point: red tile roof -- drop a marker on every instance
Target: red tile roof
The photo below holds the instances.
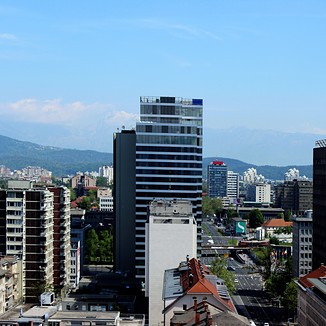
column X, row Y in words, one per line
column 200, row 284
column 317, row 273
column 276, row 223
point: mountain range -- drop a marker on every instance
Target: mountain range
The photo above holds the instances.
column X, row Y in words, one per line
column 17, row 154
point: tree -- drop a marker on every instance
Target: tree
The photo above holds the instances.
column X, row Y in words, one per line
column 274, row 240
column 212, row 206
column 219, row 268
column 217, row 206
column 85, row 203
column 73, row 195
column 105, row 246
column 101, row 182
column 256, row 218
column 289, row 298
column 91, row 246
column 207, row 206
column 287, row 215
column 263, row 257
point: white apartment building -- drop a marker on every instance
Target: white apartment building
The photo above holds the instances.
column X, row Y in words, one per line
column 106, row 203
column 233, row 185
column 259, row 193
column 171, row 233
column 75, row 264
column 106, row 171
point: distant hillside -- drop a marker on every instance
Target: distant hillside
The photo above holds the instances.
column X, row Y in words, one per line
column 268, row 171
column 16, row 154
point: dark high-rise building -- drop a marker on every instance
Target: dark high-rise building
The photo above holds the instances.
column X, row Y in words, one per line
column 319, row 204
column 217, row 179
column 161, row 160
column 124, row 199
column 294, row 195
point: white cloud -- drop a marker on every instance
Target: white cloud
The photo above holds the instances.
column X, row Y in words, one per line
column 5, row 36
column 74, row 114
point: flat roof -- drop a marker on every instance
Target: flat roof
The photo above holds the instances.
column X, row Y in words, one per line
column 319, row 283
column 172, row 286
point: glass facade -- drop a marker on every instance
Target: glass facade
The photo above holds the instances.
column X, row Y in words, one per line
column 168, row 160
column 217, row 179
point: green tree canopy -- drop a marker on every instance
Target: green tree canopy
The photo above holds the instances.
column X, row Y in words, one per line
column 212, row 206
column 256, row 218
column 274, row 240
column 101, row 182
column 91, row 246
column 105, row 246
column 219, row 268
column 289, row 298
column 72, row 194
column 287, row 215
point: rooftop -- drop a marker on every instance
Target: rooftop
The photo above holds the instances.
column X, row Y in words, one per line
column 277, row 222
column 307, row 281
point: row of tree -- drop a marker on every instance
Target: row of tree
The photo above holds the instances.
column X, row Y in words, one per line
column 214, row 207
column 277, row 274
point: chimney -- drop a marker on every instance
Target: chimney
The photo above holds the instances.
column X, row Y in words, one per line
column 210, row 320
column 204, row 301
column 197, row 312
column 195, row 303
column 191, row 279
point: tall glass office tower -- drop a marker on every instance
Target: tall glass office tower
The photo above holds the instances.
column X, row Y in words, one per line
column 168, row 160
column 217, row 179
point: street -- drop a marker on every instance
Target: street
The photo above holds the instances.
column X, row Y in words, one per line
column 250, row 299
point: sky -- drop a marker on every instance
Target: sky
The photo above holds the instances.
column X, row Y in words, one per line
column 72, row 71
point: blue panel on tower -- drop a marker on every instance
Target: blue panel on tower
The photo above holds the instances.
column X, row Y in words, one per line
column 197, row 101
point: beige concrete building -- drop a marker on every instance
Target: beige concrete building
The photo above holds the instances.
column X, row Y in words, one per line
column 10, row 282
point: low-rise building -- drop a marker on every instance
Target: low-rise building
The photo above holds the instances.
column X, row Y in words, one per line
column 276, row 225
column 312, row 298
column 192, row 278
column 10, row 282
column 53, row 315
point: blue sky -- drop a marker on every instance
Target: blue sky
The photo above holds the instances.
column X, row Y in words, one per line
column 72, row 71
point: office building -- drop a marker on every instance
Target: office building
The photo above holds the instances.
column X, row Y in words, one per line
column 171, row 235
column 294, row 195
column 319, row 204
column 233, row 186
column 302, row 244
column 259, row 193
column 217, row 179
column 169, row 160
column 124, row 199
column 163, row 159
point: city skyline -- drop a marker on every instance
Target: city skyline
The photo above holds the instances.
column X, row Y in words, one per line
column 74, row 71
